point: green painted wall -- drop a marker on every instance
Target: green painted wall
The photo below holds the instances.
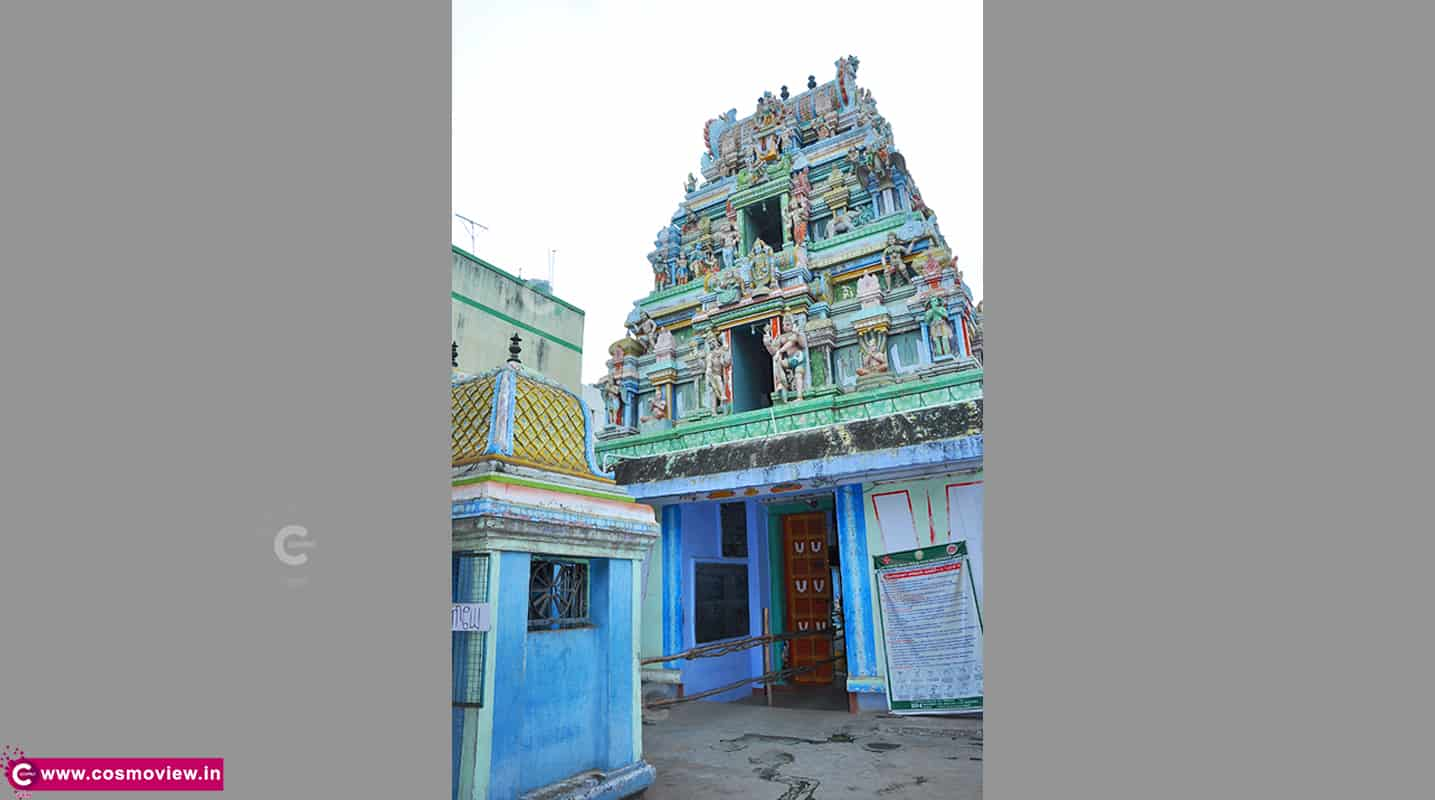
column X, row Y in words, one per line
column 489, row 305
column 920, row 490
column 478, row 722
column 650, row 638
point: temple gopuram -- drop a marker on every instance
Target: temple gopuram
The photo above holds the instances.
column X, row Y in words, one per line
column 798, row 391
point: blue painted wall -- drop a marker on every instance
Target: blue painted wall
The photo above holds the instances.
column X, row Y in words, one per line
column 563, row 695
column 702, row 541
column 510, row 632
column 563, row 700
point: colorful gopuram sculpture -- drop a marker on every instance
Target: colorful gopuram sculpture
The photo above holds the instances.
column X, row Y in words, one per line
column 803, row 263
column 803, row 371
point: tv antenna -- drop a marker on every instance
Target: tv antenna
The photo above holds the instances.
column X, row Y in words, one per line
column 471, row 225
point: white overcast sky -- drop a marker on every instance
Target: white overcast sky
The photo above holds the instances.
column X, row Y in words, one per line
column 576, row 123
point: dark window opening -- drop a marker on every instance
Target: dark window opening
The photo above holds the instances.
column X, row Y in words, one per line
column 734, row 530
column 720, row 601
column 557, row 594
column 751, row 369
column 763, row 220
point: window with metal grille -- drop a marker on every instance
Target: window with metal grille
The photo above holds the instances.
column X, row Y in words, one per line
column 470, row 585
column 557, row 594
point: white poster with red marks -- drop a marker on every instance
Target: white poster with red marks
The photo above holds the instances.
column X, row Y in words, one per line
column 932, row 630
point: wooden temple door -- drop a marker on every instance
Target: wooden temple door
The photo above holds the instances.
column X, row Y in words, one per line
column 809, row 594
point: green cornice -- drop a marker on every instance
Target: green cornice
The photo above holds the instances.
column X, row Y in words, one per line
column 879, row 226
column 521, row 282
column 771, row 307
column 811, row 413
column 512, row 321
column 774, row 185
column 672, row 291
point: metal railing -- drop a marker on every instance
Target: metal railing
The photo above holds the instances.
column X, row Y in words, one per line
column 768, row 676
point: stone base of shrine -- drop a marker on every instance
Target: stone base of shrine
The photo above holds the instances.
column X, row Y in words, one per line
column 614, row 431
column 875, row 380
column 695, row 415
column 807, row 394
column 946, row 365
column 596, row 785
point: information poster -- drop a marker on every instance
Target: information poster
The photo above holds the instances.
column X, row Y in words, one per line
column 932, row 630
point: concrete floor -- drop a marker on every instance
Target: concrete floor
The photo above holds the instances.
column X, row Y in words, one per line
column 811, row 698
column 703, row 749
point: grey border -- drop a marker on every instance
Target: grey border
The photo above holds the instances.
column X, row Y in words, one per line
column 216, row 317
column 224, row 311
column 1204, row 222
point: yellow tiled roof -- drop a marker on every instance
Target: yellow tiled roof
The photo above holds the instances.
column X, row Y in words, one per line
column 509, row 414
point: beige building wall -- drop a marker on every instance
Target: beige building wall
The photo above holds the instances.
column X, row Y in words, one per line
column 490, row 305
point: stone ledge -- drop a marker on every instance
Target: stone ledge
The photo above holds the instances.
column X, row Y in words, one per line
column 819, row 409
column 878, row 433
column 597, row 785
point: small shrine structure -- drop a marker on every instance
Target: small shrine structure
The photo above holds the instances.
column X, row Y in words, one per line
column 546, row 699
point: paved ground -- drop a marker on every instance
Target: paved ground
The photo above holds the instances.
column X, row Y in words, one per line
column 703, row 750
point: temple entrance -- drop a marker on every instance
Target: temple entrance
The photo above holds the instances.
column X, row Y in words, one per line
column 751, row 369
column 808, row 589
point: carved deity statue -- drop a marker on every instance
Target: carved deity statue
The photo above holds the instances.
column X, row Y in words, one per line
column 715, row 364
column 680, row 272
column 932, row 269
column 789, row 357
column 707, row 266
column 657, row 407
column 821, row 288
column 801, row 213
column 691, row 184
column 663, row 343
column 660, row 275
column 841, row 221
column 893, row 265
column 612, row 400
column 857, row 158
column 705, row 231
column 762, row 267
column 643, row 331
column 730, row 241
column 874, row 352
column 939, row 326
column 728, row 285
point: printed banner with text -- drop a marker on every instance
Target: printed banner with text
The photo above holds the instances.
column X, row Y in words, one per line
column 932, row 630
